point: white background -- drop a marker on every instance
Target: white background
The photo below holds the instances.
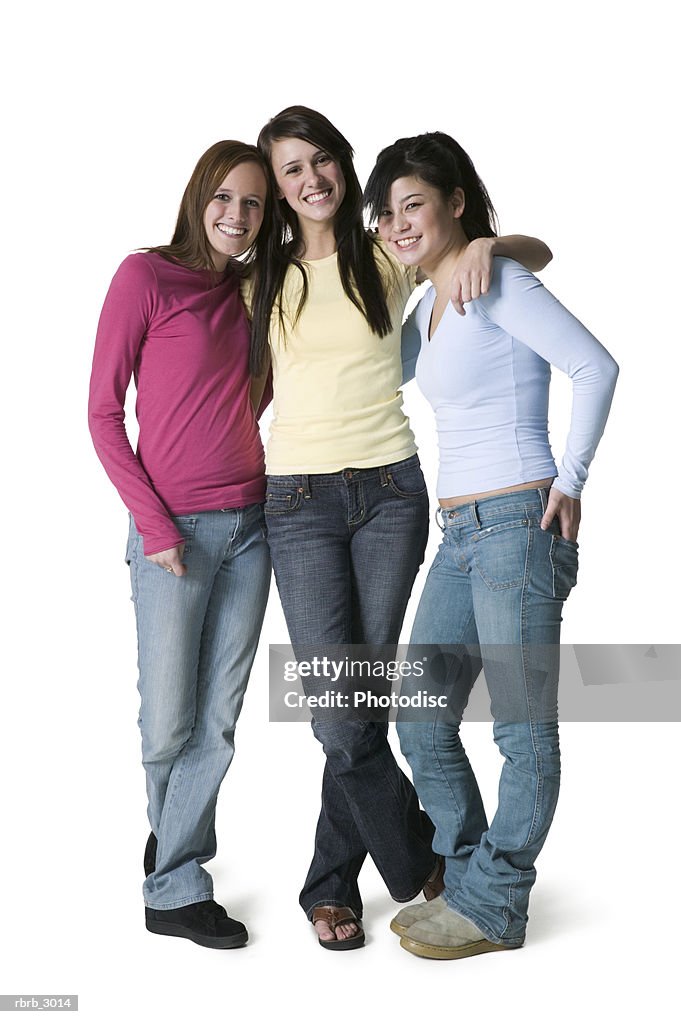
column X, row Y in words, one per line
column 569, row 113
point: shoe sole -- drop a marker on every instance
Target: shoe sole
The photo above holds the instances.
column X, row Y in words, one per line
column 211, row 941
column 399, row 929
column 451, row 952
column 342, row 945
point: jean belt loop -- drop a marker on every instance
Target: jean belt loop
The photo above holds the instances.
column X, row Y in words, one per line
column 439, row 518
column 383, row 476
column 476, row 517
column 306, row 486
column 542, row 498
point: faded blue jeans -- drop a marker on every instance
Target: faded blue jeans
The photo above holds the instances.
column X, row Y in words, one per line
column 197, row 637
column 493, row 597
column 346, row 548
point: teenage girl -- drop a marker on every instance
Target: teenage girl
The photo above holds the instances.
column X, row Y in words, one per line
column 173, row 319
column 346, row 504
column 508, row 558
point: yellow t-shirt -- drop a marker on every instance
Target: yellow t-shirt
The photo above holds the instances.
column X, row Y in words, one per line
column 337, row 402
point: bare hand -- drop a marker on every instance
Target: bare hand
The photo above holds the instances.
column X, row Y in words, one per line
column 473, row 272
column 567, row 510
column 171, row 560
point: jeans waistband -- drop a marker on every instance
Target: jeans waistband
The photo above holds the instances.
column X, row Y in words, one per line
column 347, row 474
column 482, row 512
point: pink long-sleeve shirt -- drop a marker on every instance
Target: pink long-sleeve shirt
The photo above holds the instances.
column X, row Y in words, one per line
column 185, row 339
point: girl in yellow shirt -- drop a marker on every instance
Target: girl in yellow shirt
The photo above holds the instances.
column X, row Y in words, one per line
column 346, row 503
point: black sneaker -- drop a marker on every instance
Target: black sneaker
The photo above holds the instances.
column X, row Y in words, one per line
column 150, row 855
column 206, row 923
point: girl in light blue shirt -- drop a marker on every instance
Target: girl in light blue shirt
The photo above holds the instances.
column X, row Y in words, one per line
column 508, row 559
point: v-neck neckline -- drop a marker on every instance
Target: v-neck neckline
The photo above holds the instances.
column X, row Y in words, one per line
column 430, row 335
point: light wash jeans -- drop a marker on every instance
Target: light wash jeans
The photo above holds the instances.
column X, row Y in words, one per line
column 197, row 637
column 493, row 596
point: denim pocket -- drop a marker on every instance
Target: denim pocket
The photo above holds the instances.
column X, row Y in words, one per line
column 564, row 565
column 440, row 556
column 187, row 527
column 281, row 500
column 500, row 554
column 406, row 478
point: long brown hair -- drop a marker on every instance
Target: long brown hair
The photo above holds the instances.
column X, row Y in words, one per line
column 189, row 244
column 358, row 254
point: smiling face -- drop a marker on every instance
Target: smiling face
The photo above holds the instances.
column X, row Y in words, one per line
column 418, row 224
column 234, row 215
column 309, row 180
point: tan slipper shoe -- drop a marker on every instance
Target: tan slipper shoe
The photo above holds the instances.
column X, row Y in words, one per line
column 446, row 935
column 410, row 915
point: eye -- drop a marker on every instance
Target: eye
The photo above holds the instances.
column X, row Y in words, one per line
column 383, row 214
column 412, row 206
column 223, row 197
column 254, row 203
column 323, row 158
column 292, row 170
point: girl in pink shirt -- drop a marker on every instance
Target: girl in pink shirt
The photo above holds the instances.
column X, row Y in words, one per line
column 199, row 561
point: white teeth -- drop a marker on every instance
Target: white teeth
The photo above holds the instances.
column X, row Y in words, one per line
column 316, row 197
column 237, row 232
column 404, row 242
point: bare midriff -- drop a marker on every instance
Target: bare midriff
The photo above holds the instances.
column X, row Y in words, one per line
column 465, row 499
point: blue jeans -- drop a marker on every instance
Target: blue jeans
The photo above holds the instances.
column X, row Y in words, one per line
column 197, row 636
column 494, row 593
column 346, row 548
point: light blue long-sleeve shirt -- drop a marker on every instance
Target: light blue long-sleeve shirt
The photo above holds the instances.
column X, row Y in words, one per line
column 487, row 377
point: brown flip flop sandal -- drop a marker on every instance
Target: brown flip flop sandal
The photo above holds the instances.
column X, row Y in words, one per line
column 435, row 882
column 333, row 916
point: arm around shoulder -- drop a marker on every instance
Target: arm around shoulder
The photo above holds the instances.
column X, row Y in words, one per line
column 532, row 253
column 474, row 272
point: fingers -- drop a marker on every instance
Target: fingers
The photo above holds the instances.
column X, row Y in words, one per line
column 474, row 283
column 473, row 275
column 484, row 283
column 550, row 514
column 469, row 284
column 177, row 567
column 457, row 297
column 458, row 305
column 568, row 512
column 569, row 530
column 173, row 561
column 170, row 560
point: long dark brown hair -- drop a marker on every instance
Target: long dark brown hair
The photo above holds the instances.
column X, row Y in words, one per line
column 358, row 253
column 189, row 244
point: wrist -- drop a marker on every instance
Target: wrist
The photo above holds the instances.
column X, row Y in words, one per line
column 493, row 245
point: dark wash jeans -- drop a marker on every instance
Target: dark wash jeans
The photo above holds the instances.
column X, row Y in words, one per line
column 346, row 548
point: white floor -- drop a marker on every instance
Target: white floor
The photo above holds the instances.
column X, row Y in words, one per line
column 601, row 940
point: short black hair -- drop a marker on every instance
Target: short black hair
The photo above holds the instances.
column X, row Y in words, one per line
column 438, row 160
